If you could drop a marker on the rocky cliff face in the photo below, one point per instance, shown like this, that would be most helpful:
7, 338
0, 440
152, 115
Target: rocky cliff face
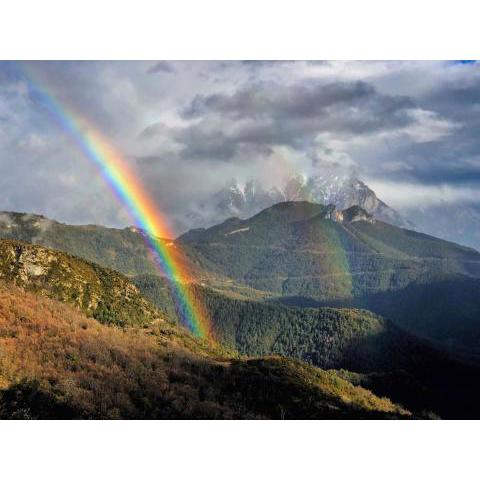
356, 214
104, 294
349, 215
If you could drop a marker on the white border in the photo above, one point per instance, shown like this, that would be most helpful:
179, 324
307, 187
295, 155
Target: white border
239, 450
250, 29
219, 29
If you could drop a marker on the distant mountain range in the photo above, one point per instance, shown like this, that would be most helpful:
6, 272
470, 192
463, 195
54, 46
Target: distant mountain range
460, 224
341, 190
308, 249
307, 254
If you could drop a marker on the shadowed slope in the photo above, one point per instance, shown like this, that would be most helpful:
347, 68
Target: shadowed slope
392, 362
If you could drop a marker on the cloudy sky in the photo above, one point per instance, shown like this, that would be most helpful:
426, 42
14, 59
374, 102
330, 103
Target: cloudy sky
410, 130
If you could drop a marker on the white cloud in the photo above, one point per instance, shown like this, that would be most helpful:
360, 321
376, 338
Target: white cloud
407, 196
429, 126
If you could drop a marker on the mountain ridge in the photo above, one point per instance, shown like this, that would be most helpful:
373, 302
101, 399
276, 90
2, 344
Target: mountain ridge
297, 251
342, 190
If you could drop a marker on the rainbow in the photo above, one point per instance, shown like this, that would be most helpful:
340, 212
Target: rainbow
132, 195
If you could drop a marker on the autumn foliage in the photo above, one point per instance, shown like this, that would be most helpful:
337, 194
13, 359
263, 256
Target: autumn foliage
57, 363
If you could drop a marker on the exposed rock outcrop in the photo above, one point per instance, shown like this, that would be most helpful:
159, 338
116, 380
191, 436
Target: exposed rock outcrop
349, 215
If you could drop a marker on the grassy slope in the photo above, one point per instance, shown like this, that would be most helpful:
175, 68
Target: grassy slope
57, 363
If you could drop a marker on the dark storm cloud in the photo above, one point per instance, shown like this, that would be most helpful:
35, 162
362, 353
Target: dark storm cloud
161, 67
451, 174
454, 96
454, 159
265, 63
439, 163
262, 115
198, 143
273, 100
271, 64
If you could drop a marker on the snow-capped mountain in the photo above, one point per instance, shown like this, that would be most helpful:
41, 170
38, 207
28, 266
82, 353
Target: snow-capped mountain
343, 191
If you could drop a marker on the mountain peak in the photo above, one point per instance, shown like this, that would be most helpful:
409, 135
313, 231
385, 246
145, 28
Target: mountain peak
339, 189
303, 210
291, 211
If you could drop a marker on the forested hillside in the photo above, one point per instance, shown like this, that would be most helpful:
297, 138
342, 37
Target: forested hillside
57, 363
303, 254
309, 250
311, 255
385, 358
328, 337
290, 249
446, 311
